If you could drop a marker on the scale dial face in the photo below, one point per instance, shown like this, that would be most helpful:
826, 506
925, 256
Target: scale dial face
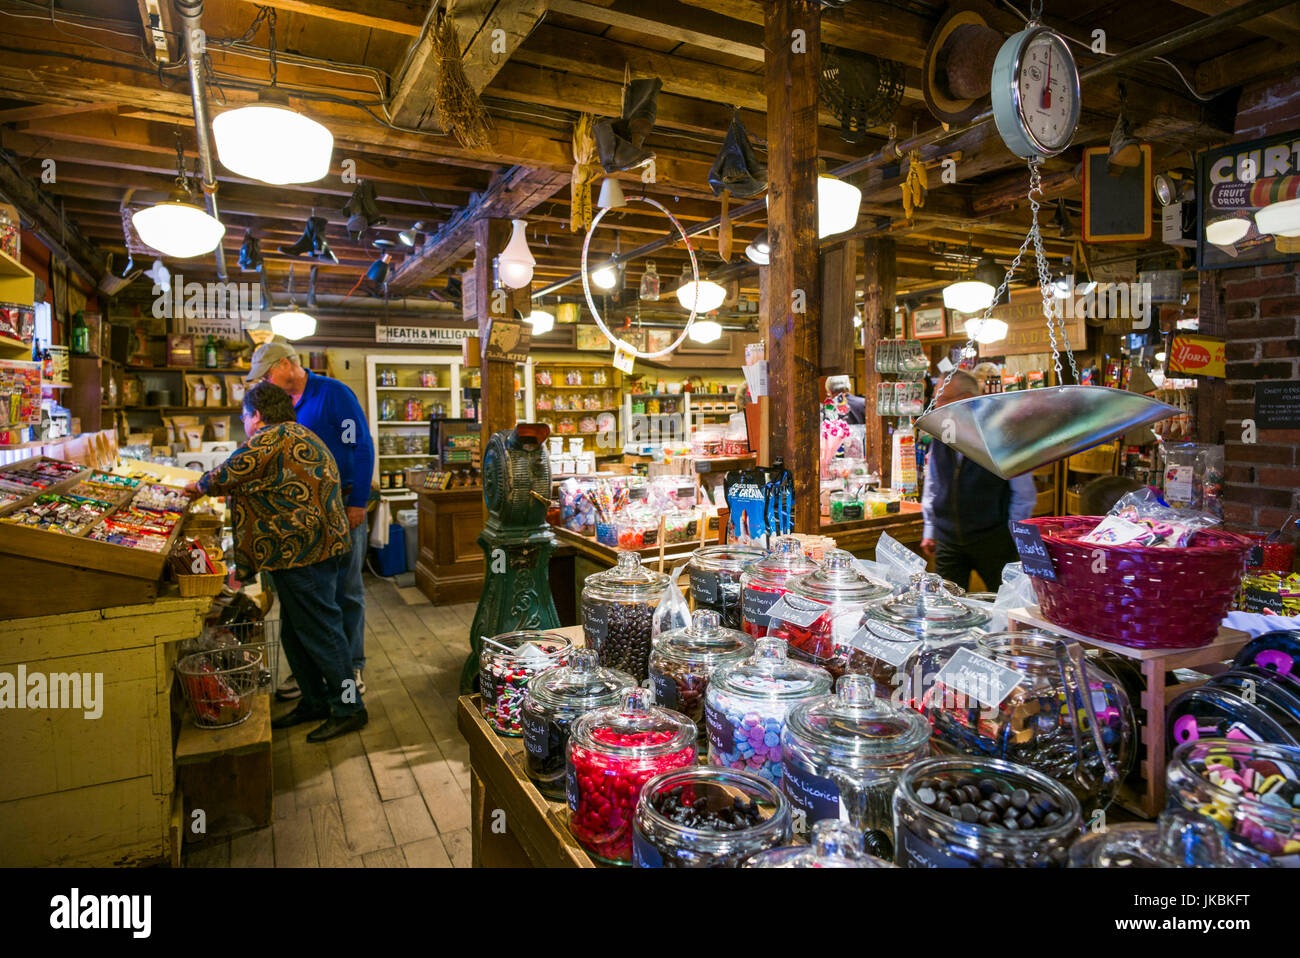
1036, 93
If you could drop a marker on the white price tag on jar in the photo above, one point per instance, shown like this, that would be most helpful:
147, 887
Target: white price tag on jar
796, 611
978, 678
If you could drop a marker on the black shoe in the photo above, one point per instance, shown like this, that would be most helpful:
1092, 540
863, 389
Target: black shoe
312, 241
640, 107
334, 727
250, 253
299, 715
362, 210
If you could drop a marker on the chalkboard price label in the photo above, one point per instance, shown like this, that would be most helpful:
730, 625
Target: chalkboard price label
1277, 404
1034, 557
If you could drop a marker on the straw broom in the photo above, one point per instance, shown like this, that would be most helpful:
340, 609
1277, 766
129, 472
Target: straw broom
459, 108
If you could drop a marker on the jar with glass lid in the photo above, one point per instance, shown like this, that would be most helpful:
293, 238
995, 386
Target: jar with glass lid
834, 845
556, 698
982, 813
706, 817
842, 756
765, 580
715, 573
1033, 699
506, 665
617, 614
612, 753
681, 660
894, 630
1178, 839
822, 610
746, 705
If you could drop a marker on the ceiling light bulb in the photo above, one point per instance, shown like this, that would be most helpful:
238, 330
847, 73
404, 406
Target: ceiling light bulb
516, 262
1226, 231
541, 321
968, 296
706, 295
837, 205
1280, 219
178, 229
760, 250
293, 324
705, 331
271, 142
606, 277
985, 331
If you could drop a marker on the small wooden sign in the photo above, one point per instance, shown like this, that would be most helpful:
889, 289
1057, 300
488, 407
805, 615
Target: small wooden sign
509, 341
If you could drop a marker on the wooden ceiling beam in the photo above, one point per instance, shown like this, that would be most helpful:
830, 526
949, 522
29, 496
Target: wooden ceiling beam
1245, 64
159, 29
667, 23
403, 17
1284, 24
43, 110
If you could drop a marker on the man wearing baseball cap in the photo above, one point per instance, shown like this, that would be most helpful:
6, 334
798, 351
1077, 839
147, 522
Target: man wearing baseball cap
330, 410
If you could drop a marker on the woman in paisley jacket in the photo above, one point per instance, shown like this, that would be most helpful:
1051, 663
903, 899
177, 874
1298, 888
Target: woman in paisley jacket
290, 523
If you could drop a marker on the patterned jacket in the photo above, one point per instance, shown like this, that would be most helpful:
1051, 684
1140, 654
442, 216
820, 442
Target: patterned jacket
287, 502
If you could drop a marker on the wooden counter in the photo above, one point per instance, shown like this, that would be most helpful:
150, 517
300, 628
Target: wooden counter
861, 537
449, 567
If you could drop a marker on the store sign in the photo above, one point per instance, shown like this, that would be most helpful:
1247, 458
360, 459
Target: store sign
1277, 404
423, 335
1027, 328
509, 341
1198, 356
1235, 183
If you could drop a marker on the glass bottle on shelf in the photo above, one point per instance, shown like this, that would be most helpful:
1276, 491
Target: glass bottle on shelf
388, 408
414, 410
650, 282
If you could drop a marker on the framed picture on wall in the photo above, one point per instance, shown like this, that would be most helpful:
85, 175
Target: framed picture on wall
720, 345
928, 323
1243, 197
657, 339
591, 339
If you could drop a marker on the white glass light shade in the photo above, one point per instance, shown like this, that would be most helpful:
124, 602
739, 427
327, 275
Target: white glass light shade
611, 195
968, 296
837, 206
293, 324
705, 331
270, 142
605, 276
1280, 219
541, 321
985, 331
857, 319
1160, 357
516, 262
1226, 231
179, 230
706, 295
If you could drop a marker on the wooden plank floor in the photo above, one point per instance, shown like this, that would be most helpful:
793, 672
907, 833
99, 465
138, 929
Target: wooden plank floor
395, 794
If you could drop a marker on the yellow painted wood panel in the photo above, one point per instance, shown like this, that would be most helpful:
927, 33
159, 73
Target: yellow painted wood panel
116, 823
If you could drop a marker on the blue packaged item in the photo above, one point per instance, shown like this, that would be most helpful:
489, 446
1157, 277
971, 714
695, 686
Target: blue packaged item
392, 557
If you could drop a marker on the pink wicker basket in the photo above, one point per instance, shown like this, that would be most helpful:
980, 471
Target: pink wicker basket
1147, 598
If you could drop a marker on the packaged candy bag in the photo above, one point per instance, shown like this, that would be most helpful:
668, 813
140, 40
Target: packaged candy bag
673, 612
1143, 518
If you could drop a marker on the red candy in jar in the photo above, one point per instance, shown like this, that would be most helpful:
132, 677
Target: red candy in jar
765, 580
612, 752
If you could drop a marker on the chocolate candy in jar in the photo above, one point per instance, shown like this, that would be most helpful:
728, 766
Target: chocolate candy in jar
715, 573
1252, 789
681, 660
706, 817
612, 753
894, 631
745, 707
834, 844
1033, 699
1178, 839
555, 699
822, 610
765, 580
982, 813
618, 611
506, 664
841, 756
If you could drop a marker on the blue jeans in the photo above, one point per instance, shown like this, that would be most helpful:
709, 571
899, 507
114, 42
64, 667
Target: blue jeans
311, 633
352, 596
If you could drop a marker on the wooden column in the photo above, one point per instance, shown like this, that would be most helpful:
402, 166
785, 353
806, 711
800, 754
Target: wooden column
879, 286
498, 378
792, 41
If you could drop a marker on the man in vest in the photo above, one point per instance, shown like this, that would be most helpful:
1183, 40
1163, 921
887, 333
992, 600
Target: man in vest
966, 508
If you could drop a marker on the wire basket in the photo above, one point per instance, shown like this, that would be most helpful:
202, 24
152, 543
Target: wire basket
1147, 597
261, 634
219, 684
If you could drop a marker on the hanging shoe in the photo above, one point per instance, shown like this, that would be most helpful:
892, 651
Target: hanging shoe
311, 240
736, 169
617, 153
362, 210
640, 105
250, 253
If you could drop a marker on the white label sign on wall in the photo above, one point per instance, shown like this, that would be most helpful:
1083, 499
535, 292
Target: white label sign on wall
223, 327
423, 335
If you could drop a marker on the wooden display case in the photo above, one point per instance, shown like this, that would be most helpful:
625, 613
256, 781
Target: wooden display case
562, 392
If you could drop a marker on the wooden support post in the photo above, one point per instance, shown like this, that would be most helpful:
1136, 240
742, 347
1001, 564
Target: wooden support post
879, 286
839, 268
792, 41
497, 399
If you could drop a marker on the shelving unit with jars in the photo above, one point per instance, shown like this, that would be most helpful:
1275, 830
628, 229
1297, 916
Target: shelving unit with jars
580, 399
403, 393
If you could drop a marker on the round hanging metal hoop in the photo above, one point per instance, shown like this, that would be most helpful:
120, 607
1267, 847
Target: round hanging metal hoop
586, 284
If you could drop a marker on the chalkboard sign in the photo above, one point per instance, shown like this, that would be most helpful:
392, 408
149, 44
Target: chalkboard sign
595, 624
1034, 557
1116, 209
1277, 405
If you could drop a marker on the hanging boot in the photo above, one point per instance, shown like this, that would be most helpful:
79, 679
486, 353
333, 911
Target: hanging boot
736, 169
309, 244
250, 252
362, 211
640, 104
617, 153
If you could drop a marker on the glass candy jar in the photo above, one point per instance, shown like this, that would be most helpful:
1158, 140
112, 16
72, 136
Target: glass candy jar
767, 579
705, 817
612, 752
1251, 789
681, 660
834, 845
506, 664
922, 617
715, 573
822, 611
746, 705
841, 756
617, 613
1020, 696
974, 813
1180, 839
556, 698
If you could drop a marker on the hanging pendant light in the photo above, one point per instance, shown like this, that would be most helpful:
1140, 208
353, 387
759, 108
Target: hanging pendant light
611, 195
705, 296
178, 227
1125, 148
974, 295
986, 331
293, 323
516, 262
705, 331
837, 205
759, 250
541, 321
1226, 230
272, 142
606, 276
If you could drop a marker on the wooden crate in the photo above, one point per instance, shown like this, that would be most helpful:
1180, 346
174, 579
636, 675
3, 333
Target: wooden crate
226, 773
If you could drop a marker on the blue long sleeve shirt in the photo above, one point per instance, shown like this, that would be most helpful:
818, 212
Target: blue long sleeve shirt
330, 409
1024, 496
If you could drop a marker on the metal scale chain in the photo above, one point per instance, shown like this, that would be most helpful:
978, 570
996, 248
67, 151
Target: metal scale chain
1055, 322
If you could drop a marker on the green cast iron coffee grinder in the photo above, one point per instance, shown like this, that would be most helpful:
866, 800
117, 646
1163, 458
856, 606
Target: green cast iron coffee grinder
517, 542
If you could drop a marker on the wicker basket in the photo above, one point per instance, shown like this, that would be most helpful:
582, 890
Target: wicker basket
196, 586
1148, 598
